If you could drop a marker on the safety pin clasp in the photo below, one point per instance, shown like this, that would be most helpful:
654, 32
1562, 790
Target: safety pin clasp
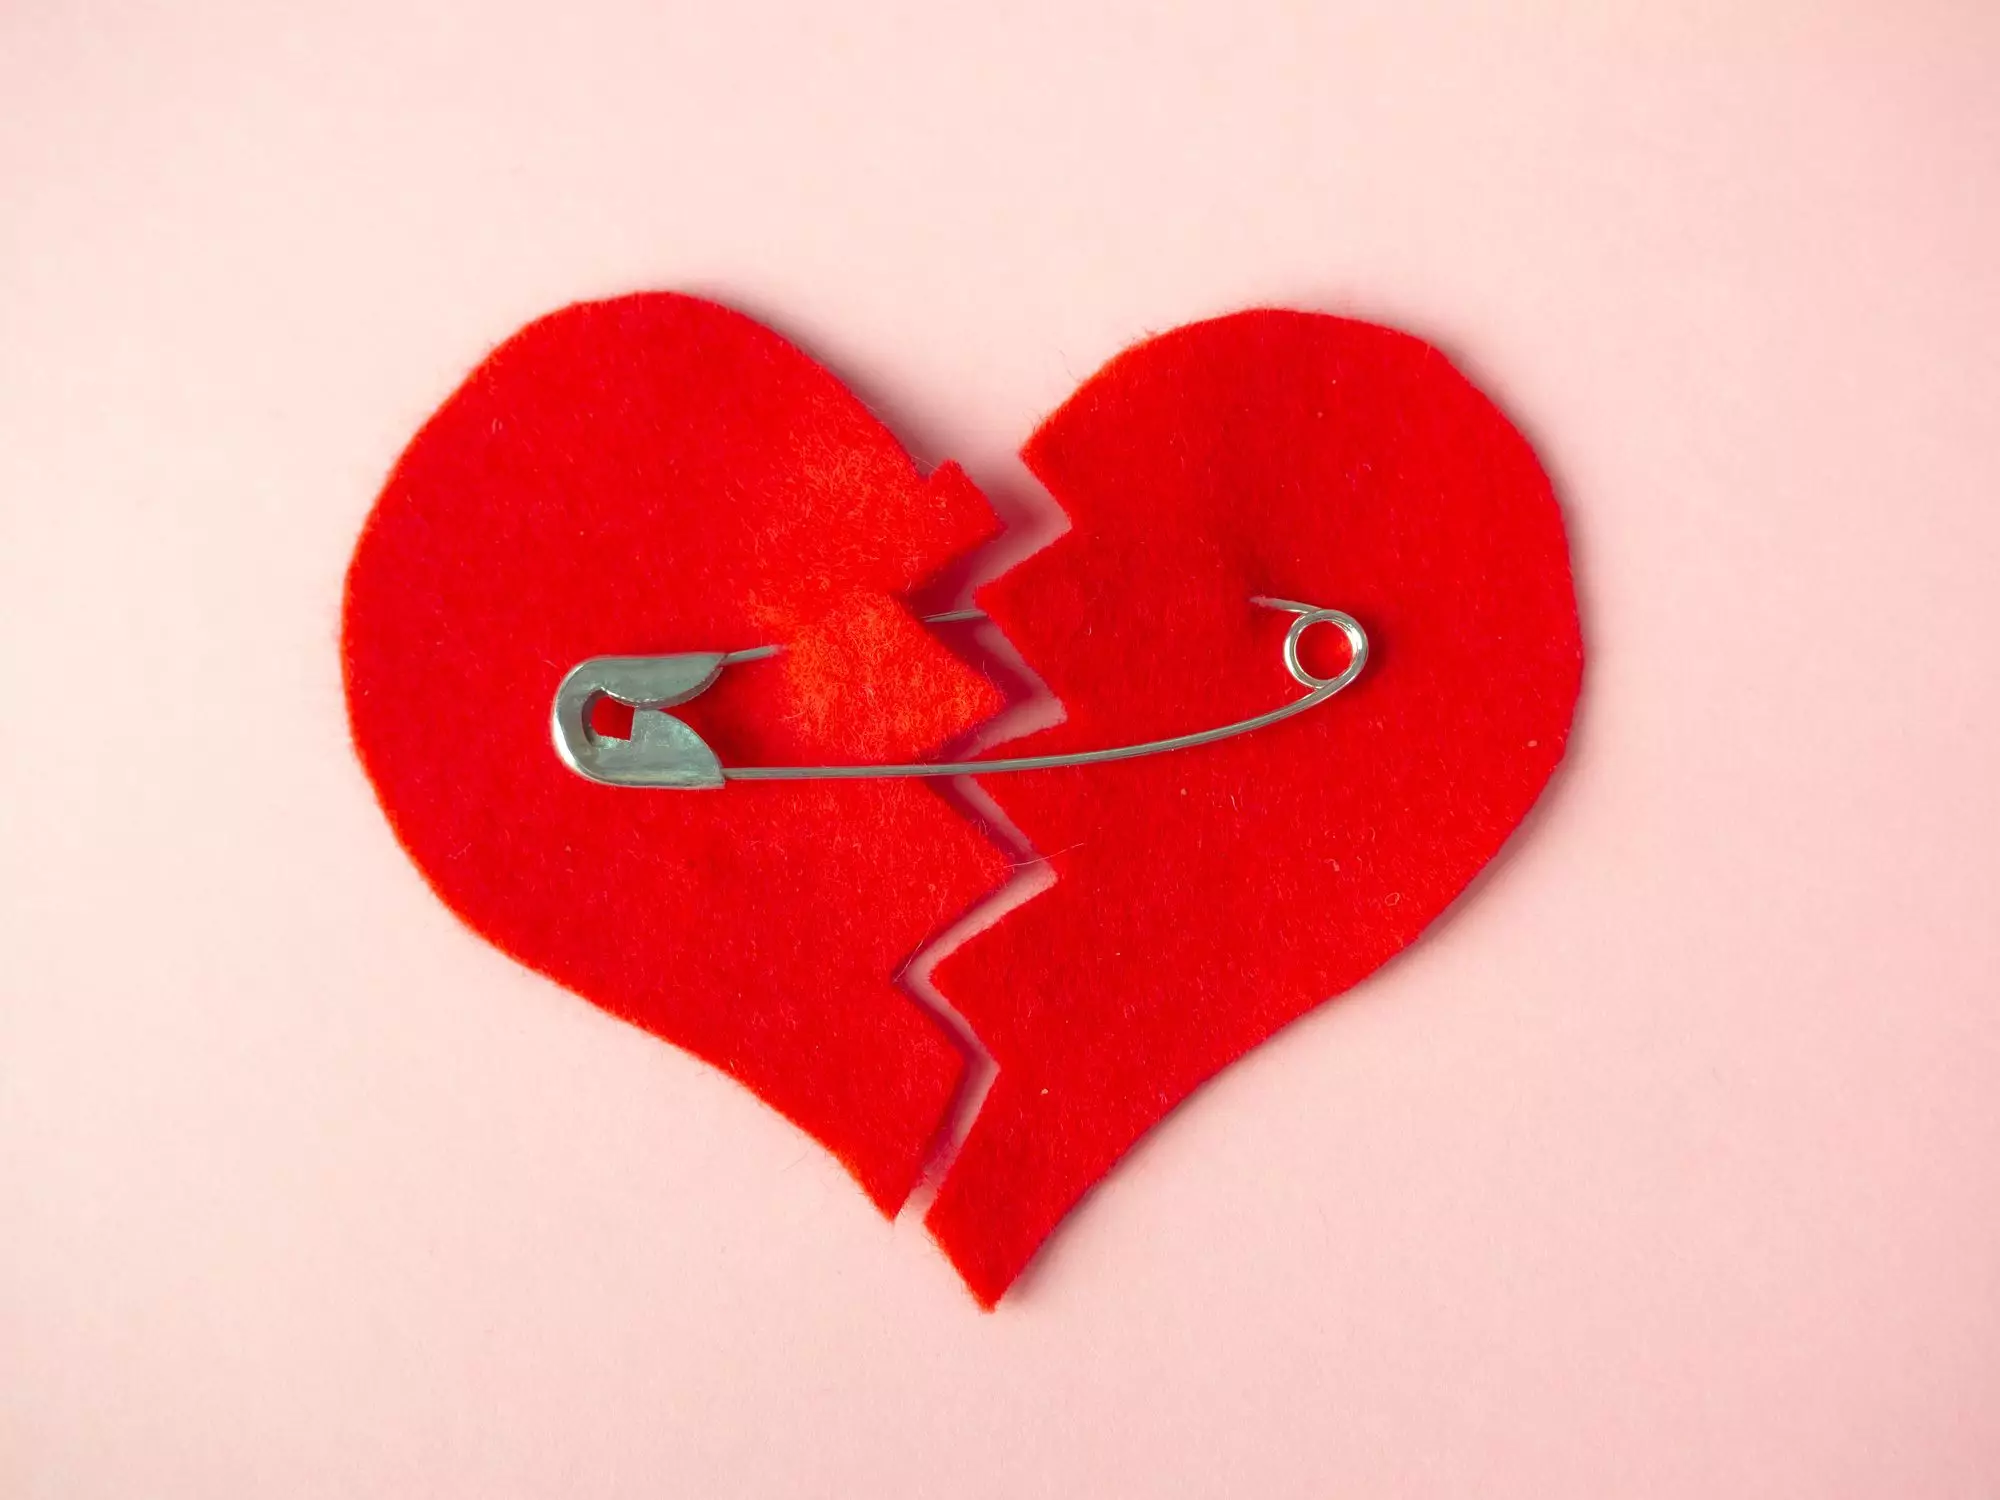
662, 751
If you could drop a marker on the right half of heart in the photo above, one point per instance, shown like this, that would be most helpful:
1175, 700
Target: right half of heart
1204, 900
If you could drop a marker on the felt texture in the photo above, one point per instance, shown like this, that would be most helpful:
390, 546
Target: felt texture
1205, 899
868, 681
656, 474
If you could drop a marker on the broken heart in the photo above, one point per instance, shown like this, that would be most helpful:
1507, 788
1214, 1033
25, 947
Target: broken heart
657, 474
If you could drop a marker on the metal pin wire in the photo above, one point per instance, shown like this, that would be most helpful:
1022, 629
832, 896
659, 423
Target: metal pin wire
663, 752
1322, 688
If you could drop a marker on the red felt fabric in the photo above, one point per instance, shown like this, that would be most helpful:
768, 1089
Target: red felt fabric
868, 681
657, 474
1205, 899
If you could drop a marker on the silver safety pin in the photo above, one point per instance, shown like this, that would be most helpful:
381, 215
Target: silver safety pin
664, 752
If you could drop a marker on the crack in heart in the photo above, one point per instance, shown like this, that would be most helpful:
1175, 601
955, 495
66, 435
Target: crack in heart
1031, 877
1030, 522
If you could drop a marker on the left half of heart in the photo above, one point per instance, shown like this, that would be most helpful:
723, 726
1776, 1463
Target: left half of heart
657, 474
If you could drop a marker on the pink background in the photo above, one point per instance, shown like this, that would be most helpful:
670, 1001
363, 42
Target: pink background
1665, 1167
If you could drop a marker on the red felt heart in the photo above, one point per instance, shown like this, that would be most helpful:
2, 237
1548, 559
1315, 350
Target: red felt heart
658, 474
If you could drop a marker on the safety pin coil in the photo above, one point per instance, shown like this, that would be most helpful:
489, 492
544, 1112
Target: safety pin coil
663, 752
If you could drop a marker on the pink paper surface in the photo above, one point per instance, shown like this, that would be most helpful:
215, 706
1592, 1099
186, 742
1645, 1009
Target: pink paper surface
1668, 1165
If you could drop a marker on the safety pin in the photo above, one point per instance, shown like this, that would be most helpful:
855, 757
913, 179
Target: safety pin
664, 752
